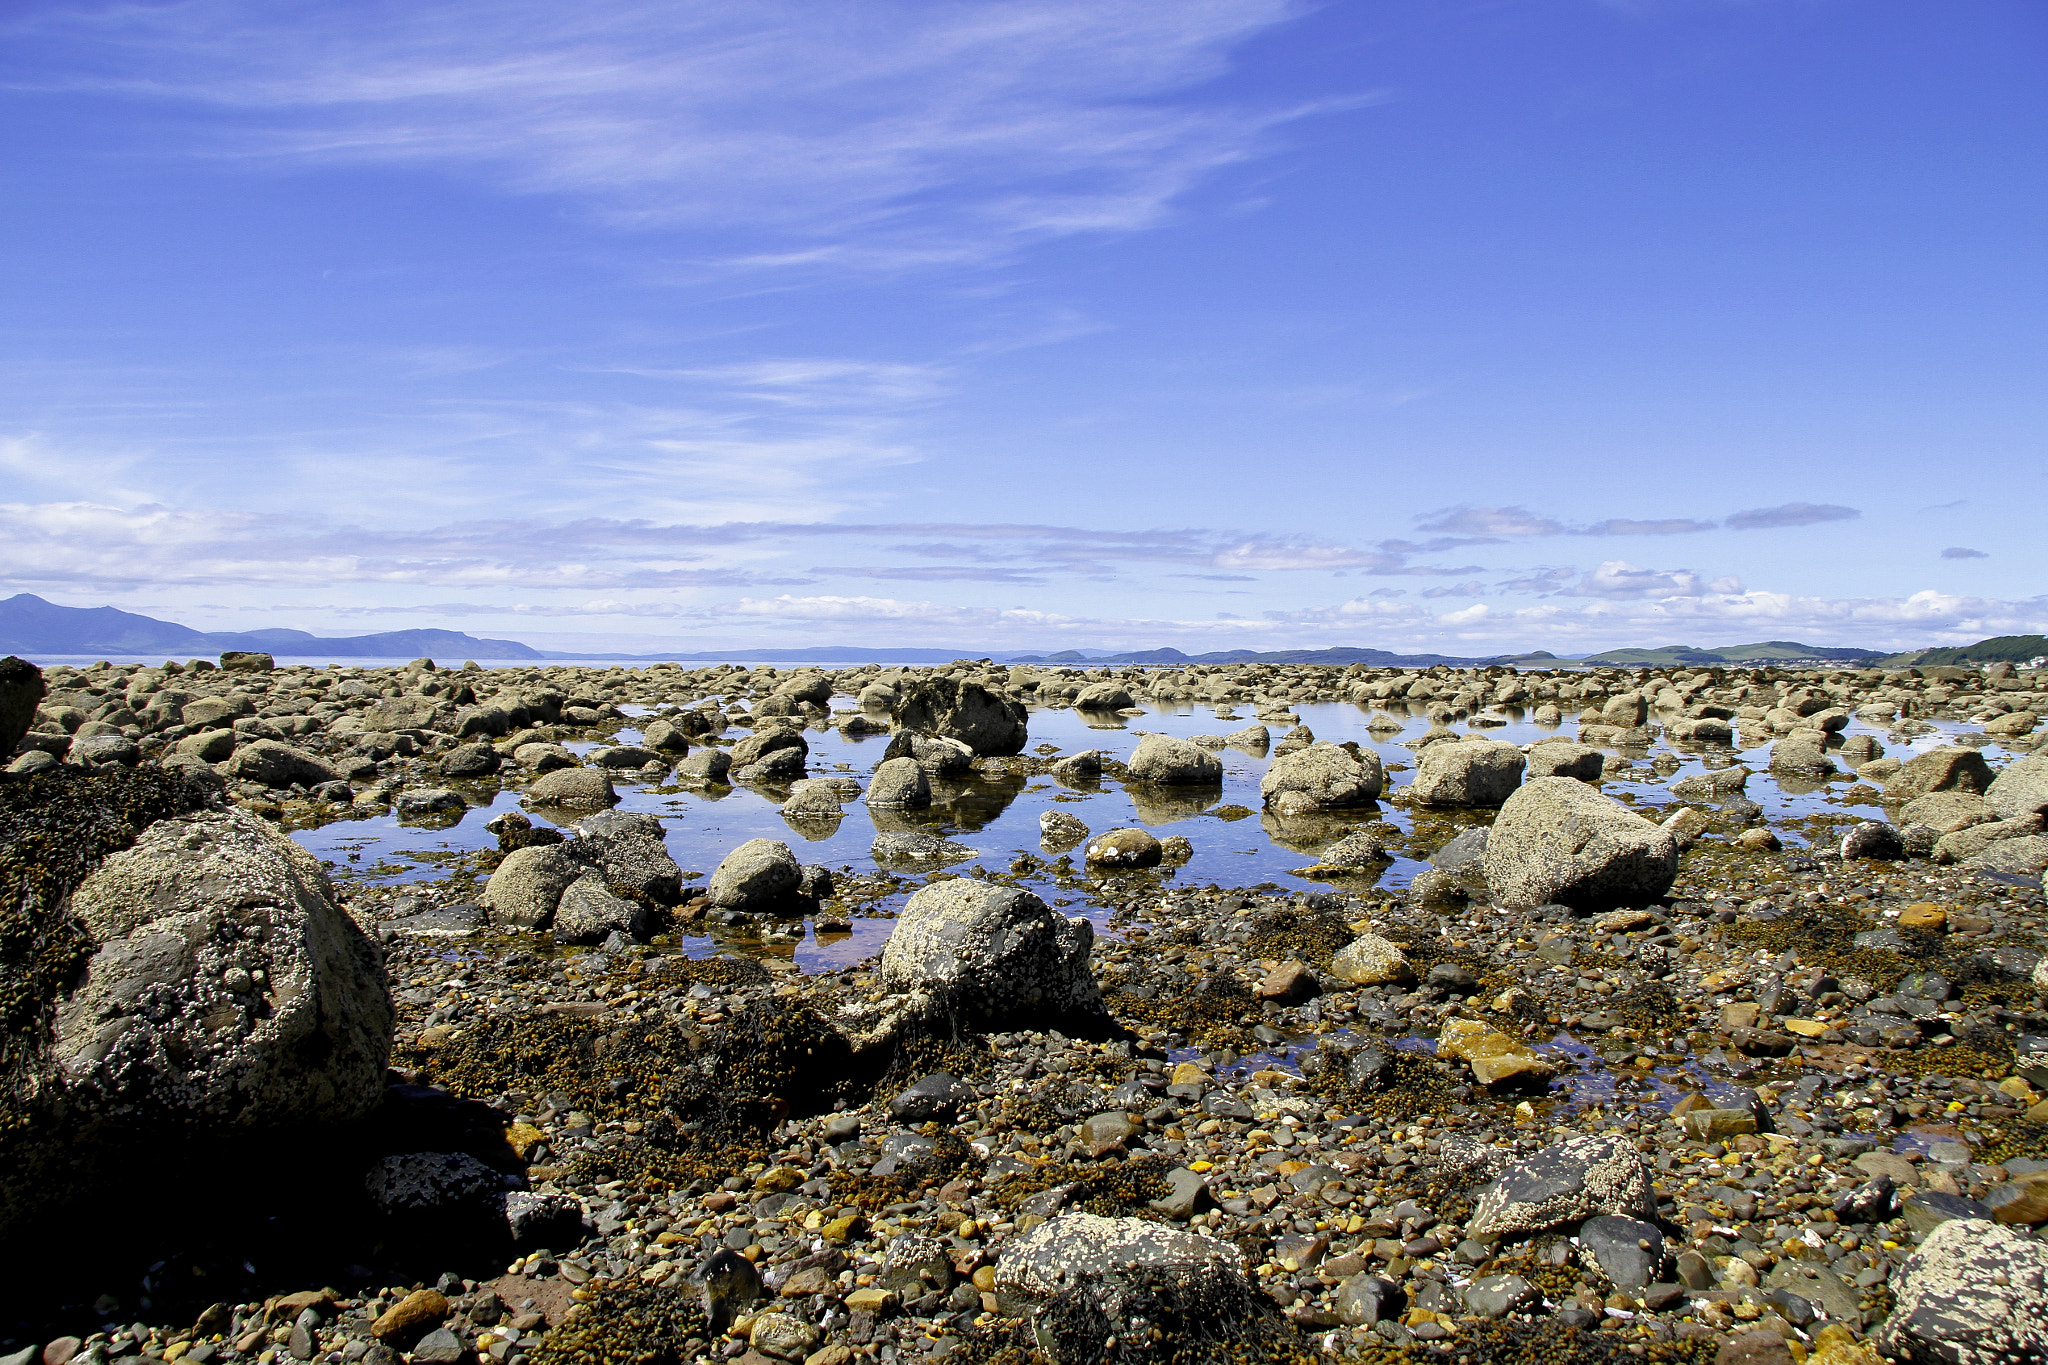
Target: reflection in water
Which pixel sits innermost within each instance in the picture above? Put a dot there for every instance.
(998, 813)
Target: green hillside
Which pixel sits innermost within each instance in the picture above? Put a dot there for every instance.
(2015, 649)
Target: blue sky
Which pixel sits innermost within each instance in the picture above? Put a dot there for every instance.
(1053, 323)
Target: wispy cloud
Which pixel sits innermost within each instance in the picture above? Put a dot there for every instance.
(1496, 524)
(1963, 552)
(1790, 514)
(887, 134)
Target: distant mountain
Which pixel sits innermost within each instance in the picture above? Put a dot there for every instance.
(1769, 652)
(31, 626)
(2014, 649)
(1341, 656)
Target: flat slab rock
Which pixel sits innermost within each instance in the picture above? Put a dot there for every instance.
(1572, 1180)
(1054, 1255)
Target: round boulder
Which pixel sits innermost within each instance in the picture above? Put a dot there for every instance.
(1124, 848)
(1174, 761)
(900, 782)
(991, 954)
(1559, 841)
(755, 876)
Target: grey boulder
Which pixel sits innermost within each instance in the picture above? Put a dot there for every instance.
(2022, 789)
(757, 876)
(1953, 768)
(987, 722)
(1481, 772)
(1323, 777)
(525, 889)
(1162, 759)
(900, 782)
(225, 985)
(628, 848)
(991, 954)
(1559, 841)
(273, 764)
(589, 912)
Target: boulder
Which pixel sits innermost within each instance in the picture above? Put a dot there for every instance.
(989, 954)
(1562, 758)
(1101, 1287)
(1169, 761)
(1370, 960)
(1323, 777)
(1803, 753)
(1124, 848)
(21, 691)
(985, 721)
(900, 782)
(272, 764)
(1559, 841)
(584, 787)
(1496, 1059)
(407, 713)
(1103, 696)
(916, 848)
(246, 661)
(589, 912)
(1953, 768)
(1949, 811)
(2022, 789)
(1973, 1292)
(225, 985)
(1060, 831)
(470, 760)
(705, 765)
(665, 737)
(767, 741)
(525, 889)
(627, 847)
(101, 751)
(1567, 1182)
(760, 875)
(1965, 844)
(1629, 1251)
(1468, 773)
(2026, 856)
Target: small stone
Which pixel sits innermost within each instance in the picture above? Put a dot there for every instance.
(1290, 983)
(440, 1347)
(417, 1310)
(1922, 916)
(1495, 1296)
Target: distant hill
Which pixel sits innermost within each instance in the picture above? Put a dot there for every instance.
(1341, 656)
(2014, 649)
(31, 626)
(1769, 652)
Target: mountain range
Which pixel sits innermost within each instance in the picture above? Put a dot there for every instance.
(31, 626)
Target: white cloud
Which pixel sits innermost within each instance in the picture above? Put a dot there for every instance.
(1619, 578)
(889, 133)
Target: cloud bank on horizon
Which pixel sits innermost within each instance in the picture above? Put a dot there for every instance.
(1029, 324)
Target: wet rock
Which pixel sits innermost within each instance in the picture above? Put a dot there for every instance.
(1496, 1296)
(1629, 1251)
(1755, 1348)
(2023, 1200)
(1973, 1292)
(1290, 983)
(1953, 768)
(1174, 762)
(1367, 1299)
(1370, 960)
(1560, 841)
(1578, 1178)
(1124, 848)
(1496, 1059)
(1948, 811)
(665, 738)
(525, 889)
(584, 787)
(1468, 773)
(1871, 1202)
(936, 1096)
(1715, 785)
(1873, 839)
(939, 756)
(543, 758)
(272, 764)
(900, 782)
(589, 913)
(1060, 831)
(758, 876)
(1928, 1209)
(991, 954)
(428, 803)
(986, 722)
(1322, 777)
(171, 1022)
(914, 848)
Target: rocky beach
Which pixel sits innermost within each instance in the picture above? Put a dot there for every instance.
(561, 1013)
